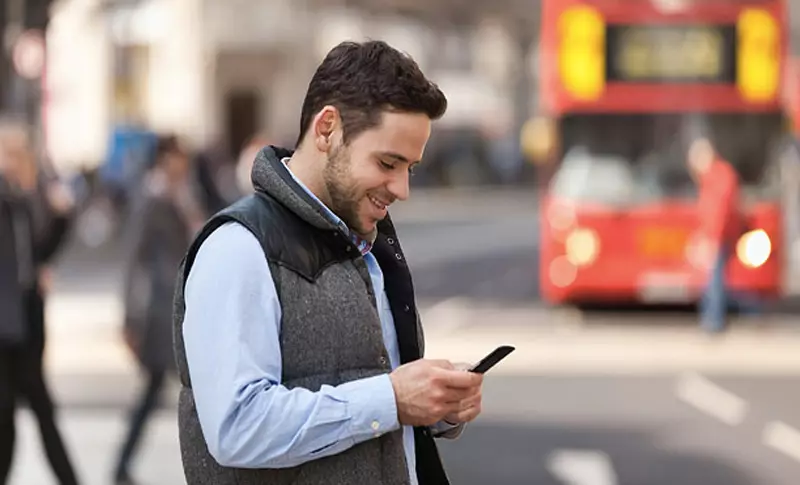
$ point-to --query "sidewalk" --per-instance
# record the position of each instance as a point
(92, 440)
(89, 366)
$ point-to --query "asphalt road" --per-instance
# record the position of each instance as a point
(638, 426)
(585, 400)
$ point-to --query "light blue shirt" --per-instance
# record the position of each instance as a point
(249, 420)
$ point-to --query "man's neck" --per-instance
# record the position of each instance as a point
(303, 168)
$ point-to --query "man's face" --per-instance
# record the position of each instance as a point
(366, 176)
(176, 165)
(700, 157)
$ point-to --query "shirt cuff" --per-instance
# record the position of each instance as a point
(443, 429)
(371, 406)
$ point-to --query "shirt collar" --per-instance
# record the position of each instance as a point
(363, 245)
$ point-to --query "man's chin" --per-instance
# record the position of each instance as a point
(367, 229)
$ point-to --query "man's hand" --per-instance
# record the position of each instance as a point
(702, 252)
(131, 340)
(427, 391)
(471, 407)
(45, 279)
(60, 198)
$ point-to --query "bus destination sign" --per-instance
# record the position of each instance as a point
(671, 54)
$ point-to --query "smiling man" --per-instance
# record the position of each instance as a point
(298, 342)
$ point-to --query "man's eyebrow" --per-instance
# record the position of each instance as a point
(397, 157)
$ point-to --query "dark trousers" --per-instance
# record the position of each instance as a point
(147, 403)
(21, 375)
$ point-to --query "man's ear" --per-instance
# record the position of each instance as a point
(325, 125)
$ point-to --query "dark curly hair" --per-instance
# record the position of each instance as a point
(362, 80)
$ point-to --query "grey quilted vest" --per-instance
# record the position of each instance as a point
(330, 331)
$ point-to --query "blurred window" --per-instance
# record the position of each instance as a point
(625, 159)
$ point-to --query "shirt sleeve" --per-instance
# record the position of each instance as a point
(231, 334)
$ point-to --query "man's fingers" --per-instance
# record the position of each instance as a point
(466, 415)
(462, 398)
(458, 379)
(442, 364)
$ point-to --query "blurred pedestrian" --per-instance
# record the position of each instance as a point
(298, 343)
(720, 226)
(165, 218)
(244, 165)
(209, 164)
(35, 212)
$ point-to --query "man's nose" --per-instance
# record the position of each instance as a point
(398, 186)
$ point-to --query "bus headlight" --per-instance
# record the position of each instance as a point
(582, 247)
(754, 248)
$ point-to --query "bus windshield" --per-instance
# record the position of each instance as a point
(629, 159)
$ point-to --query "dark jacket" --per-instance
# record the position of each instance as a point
(30, 234)
(159, 239)
(330, 330)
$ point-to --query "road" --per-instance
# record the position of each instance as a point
(603, 398)
(648, 433)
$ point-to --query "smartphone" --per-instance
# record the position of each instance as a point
(492, 359)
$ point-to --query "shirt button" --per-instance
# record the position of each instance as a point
(390, 240)
(407, 308)
(349, 249)
(398, 256)
(376, 425)
(383, 360)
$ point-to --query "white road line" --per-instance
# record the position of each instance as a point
(711, 399)
(782, 437)
(582, 467)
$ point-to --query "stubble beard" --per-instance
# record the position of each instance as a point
(344, 198)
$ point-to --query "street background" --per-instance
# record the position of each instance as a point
(593, 396)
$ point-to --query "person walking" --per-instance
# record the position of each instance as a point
(35, 214)
(165, 218)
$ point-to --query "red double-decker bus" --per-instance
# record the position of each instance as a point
(625, 87)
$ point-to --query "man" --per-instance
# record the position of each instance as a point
(720, 225)
(297, 338)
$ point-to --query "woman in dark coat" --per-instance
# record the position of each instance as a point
(165, 219)
(35, 212)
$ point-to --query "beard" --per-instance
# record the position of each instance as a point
(342, 191)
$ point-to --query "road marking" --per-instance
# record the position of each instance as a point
(708, 397)
(782, 437)
(582, 467)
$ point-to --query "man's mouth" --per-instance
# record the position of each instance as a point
(378, 203)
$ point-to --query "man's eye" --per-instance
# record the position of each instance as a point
(387, 166)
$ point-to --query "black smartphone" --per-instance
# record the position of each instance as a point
(492, 359)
